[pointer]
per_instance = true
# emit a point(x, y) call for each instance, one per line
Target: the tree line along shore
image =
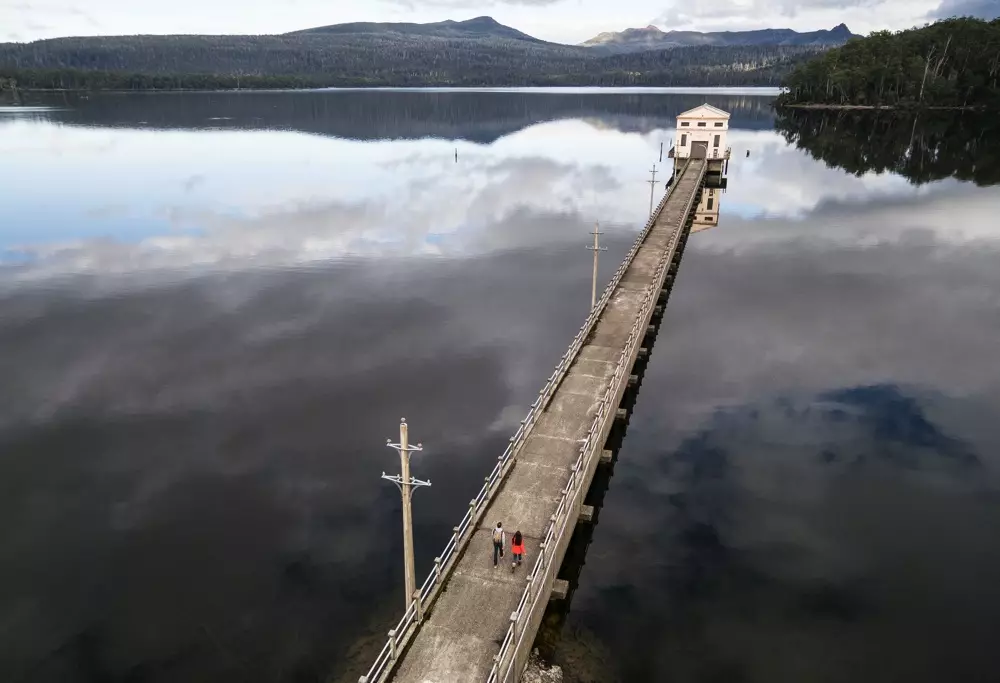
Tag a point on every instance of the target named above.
point(951, 64)
point(313, 61)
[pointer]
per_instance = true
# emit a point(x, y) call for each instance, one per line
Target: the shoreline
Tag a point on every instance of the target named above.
point(873, 107)
point(761, 90)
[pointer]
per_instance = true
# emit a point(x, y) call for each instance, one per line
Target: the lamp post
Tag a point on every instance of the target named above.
point(405, 483)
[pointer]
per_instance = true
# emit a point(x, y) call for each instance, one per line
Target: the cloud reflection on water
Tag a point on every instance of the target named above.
point(378, 198)
point(191, 449)
point(816, 435)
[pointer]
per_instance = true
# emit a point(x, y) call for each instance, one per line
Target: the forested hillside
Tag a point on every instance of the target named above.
point(460, 54)
point(480, 27)
point(953, 63)
point(652, 38)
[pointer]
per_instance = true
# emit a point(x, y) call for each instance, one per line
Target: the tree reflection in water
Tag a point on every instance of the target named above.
point(921, 147)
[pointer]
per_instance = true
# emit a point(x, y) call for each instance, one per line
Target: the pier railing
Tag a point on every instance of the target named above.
point(507, 661)
point(400, 636)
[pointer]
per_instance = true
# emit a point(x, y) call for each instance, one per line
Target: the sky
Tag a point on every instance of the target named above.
point(567, 21)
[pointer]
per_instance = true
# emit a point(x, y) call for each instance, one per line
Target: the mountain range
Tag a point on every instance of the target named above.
point(629, 40)
point(652, 38)
point(480, 27)
point(476, 52)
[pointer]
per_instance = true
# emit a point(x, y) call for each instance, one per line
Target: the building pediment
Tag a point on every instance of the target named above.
point(704, 111)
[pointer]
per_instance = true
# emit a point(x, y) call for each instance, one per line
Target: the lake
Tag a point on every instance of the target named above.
point(216, 307)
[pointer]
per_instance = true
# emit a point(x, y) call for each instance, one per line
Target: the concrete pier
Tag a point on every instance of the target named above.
point(480, 624)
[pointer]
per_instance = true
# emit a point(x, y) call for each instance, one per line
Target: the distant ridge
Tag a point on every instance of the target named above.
point(652, 38)
point(475, 52)
point(479, 27)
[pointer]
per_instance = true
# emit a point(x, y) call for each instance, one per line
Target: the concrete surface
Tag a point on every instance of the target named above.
point(469, 620)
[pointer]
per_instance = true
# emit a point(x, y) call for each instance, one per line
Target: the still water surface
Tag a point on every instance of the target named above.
point(214, 308)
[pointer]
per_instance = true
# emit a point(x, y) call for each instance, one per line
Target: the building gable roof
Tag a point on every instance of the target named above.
point(704, 111)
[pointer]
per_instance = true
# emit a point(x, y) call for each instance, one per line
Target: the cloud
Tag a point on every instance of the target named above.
point(479, 6)
point(757, 13)
point(984, 9)
point(193, 182)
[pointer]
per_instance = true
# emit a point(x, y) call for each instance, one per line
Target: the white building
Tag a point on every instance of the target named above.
point(701, 134)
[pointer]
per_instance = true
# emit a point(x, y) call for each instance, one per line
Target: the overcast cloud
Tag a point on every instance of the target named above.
point(569, 21)
point(986, 9)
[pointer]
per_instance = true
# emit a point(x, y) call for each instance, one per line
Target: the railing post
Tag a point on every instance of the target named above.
point(472, 510)
point(392, 644)
point(437, 566)
point(513, 640)
point(418, 606)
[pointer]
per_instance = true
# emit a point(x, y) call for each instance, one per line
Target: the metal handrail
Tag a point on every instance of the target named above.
point(399, 636)
point(542, 570)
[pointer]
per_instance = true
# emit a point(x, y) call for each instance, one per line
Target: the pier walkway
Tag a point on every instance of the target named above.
point(476, 623)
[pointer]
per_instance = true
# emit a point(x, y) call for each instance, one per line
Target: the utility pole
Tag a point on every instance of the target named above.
point(652, 184)
point(597, 249)
point(405, 483)
point(661, 152)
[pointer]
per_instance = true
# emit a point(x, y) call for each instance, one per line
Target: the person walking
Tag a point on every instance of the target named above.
point(517, 550)
point(499, 541)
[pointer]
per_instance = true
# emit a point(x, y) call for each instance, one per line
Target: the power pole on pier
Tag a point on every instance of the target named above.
point(597, 249)
point(405, 483)
point(661, 152)
point(652, 184)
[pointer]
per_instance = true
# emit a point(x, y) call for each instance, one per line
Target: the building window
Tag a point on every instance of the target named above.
point(718, 124)
point(709, 219)
point(702, 124)
point(685, 123)
point(716, 141)
point(711, 203)
point(684, 140)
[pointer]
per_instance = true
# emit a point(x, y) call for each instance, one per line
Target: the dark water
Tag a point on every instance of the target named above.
point(215, 308)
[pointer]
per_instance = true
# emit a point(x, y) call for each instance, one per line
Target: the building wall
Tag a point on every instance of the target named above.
point(693, 132)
